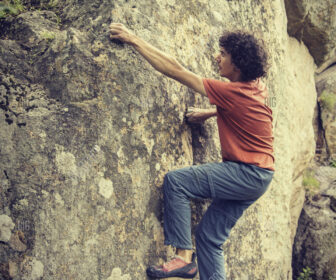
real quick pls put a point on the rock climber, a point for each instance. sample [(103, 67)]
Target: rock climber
[(245, 130)]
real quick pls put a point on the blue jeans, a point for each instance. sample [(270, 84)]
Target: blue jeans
[(233, 186)]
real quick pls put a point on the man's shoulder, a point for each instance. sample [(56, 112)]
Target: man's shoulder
[(219, 85)]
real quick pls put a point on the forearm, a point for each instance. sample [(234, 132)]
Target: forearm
[(196, 115), (211, 113), (162, 62)]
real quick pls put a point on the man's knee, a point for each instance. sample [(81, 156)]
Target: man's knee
[(169, 179), (175, 177), (201, 235), (171, 182)]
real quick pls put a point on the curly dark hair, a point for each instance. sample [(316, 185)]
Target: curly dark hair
[(247, 54)]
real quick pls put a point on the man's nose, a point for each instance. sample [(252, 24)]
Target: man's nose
[(217, 57)]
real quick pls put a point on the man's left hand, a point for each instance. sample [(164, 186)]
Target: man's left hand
[(197, 115)]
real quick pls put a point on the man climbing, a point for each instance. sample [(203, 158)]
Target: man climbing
[(245, 131)]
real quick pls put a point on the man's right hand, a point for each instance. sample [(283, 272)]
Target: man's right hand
[(119, 32), (197, 115)]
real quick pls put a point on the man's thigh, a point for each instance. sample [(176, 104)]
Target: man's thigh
[(186, 182), (223, 180), (231, 180)]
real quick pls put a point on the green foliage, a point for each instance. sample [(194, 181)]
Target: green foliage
[(309, 180), (58, 20), (46, 4), (306, 274), (328, 100), (48, 36), (332, 163), (52, 3), (310, 183), (10, 7), (15, 7), (332, 278)]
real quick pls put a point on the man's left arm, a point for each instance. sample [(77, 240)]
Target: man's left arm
[(197, 115), (162, 62)]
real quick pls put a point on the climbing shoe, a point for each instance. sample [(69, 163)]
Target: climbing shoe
[(176, 267)]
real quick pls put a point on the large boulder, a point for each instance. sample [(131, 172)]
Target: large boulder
[(314, 23), (326, 128), (315, 241), (88, 130)]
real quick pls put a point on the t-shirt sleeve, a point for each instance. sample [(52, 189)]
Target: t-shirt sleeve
[(220, 93)]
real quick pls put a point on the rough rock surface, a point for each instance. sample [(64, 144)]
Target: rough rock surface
[(88, 130), (313, 22), (6, 226), (326, 128), (315, 241)]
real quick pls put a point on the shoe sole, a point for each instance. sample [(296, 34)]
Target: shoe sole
[(172, 278), (177, 276)]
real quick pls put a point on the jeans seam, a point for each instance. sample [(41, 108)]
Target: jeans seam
[(210, 181), (196, 176), (169, 220), (209, 177), (174, 184)]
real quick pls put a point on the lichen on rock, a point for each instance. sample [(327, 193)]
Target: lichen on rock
[(6, 226)]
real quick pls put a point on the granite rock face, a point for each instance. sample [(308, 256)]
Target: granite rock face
[(89, 129), (326, 129), (6, 228), (313, 22), (315, 241)]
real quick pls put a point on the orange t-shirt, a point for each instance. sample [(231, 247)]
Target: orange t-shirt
[(244, 121)]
